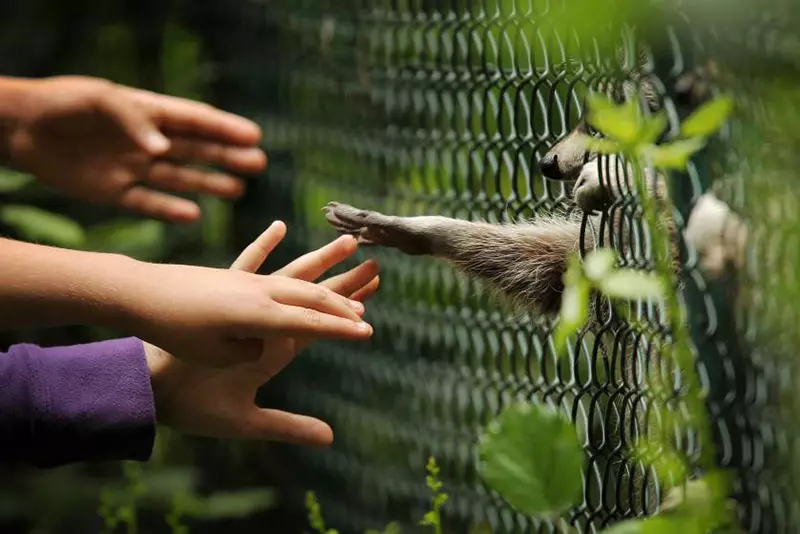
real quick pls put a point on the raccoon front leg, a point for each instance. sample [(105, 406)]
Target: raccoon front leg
[(525, 261)]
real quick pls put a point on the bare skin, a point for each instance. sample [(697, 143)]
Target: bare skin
[(105, 143)]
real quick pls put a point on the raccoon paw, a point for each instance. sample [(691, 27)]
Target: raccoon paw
[(365, 225), (412, 235), (589, 194)]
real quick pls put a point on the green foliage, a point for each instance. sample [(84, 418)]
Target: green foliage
[(433, 517), (391, 528), (623, 123), (632, 133), (315, 515), (143, 240), (674, 155), (35, 224), (531, 455), (598, 271), (574, 303), (11, 181), (708, 118), (631, 284), (174, 489)]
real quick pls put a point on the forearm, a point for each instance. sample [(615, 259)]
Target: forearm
[(42, 286), (14, 102), (79, 403)]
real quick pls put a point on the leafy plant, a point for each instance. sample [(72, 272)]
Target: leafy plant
[(532, 457), (433, 517), (315, 515), (529, 454), (42, 226)]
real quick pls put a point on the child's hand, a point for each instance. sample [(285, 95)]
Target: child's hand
[(105, 143), (220, 402), (220, 317)]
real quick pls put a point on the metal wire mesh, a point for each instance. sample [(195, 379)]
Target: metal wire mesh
[(445, 108)]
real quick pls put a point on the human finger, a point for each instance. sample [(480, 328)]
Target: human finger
[(299, 322), (236, 158), (165, 175), (159, 205), (311, 266), (353, 280), (193, 118), (255, 253), (361, 294), (277, 425), (367, 291), (133, 120), (299, 293)]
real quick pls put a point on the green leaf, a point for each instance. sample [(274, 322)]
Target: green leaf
[(620, 123), (574, 312), (599, 263), (631, 284), (708, 118), (531, 455), (143, 240), (429, 518), (43, 226), (674, 155), (11, 181), (653, 127), (236, 504), (602, 146), (632, 526)]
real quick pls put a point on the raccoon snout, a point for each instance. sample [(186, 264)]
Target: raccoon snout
[(549, 167)]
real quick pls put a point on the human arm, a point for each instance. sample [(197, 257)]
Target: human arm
[(69, 404), (106, 143), (101, 400), (220, 402), (209, 315)]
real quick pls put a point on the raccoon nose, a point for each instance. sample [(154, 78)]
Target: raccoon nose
[(549, 166)]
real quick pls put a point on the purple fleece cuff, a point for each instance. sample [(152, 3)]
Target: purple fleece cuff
[(79, 403)]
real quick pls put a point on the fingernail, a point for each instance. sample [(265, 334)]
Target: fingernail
[(355, 305), (156, 142), (364, 327)]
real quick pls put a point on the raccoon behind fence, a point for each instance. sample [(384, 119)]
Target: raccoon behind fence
[(525, 262)]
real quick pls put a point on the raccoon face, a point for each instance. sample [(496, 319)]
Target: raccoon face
[(567, 157)]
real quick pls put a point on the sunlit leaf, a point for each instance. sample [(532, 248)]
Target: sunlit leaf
[(143, 240), (599, 263), (11, 181), (162, 484), (653, 127), (632, 526), (620, 123), (674, 155), (242, 503), (631, 284), (708, 118), (602, 146), (42, 226), (573, 314), (531, 456)]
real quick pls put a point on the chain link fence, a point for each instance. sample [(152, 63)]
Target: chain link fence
[(424, 107)]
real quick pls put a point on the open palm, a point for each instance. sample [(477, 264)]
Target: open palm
[(109, 144), (221, 402)]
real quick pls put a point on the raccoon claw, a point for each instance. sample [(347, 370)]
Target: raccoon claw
[(342, 223), (348, 220)]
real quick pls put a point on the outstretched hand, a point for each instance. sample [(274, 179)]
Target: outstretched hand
[(105, 143), (220, 403)]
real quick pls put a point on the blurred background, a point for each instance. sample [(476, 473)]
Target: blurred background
[(437, 107)]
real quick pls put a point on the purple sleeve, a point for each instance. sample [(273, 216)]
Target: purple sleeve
[(79, 403)]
